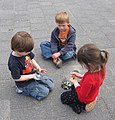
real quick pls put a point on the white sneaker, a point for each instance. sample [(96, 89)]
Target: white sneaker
[(18, 90)]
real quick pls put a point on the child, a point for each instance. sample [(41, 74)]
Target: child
[(83, 94), (23, 68), (62, 45)]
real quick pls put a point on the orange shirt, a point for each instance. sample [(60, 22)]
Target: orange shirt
[(63, 36)]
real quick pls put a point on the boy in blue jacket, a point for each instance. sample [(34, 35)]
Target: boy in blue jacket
[(62, 45)]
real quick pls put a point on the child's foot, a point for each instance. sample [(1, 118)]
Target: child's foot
[(76, 108), (59, 63), (18, 90), (90, 106)]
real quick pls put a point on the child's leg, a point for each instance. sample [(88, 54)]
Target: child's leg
[(36, 90), (47, 82), (66, 98), (46, 49), (68, 55), (70, 98), (91, 105)]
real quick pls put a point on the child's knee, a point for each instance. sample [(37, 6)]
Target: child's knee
[(42, 43), (48, 83), (51, 85), (62, 97), (43, 94), (46, 43), (45, 91)]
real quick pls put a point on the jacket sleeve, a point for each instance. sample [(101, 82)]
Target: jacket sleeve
[(54, 44), (69, 45)]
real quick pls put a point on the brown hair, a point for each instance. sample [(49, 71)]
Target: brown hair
[(62, 17), (89, 53), (22, 42)]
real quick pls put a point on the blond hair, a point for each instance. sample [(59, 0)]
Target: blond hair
[(62, 17)]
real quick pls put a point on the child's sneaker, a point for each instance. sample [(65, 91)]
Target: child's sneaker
[(59, 63), (18, 90)]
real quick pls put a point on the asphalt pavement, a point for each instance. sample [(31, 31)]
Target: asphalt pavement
[(94, 21)]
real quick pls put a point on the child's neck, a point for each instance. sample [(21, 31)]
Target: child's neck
[(95, 70), (15, 54)]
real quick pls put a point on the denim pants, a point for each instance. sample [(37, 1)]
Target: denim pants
[(39, 89), (47, 53)]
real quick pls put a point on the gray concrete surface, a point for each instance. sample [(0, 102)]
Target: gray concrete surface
[(94, 21)]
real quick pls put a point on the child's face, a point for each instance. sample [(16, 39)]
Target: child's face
[(62, 27), (22, 53)]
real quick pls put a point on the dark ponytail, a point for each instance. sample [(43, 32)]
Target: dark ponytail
[(104, 56)]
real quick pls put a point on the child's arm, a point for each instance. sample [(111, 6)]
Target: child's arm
[(54, 43), (56, 55), (37, 67), (76, 74), (27, 77), (35, 64), (75, 82)]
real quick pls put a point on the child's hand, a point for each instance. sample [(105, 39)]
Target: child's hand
[(73, 79), (35, 77), (43, 71), (75, 82), (73, 76), (56, 55), (54, 60), (76, 74)]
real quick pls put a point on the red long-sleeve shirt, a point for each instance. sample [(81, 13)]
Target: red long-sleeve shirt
[(89, 86)]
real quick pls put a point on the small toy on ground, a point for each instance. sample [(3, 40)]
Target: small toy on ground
[(66, 85)]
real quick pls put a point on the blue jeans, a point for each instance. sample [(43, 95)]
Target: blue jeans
[(39, 89), (47, 53)]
